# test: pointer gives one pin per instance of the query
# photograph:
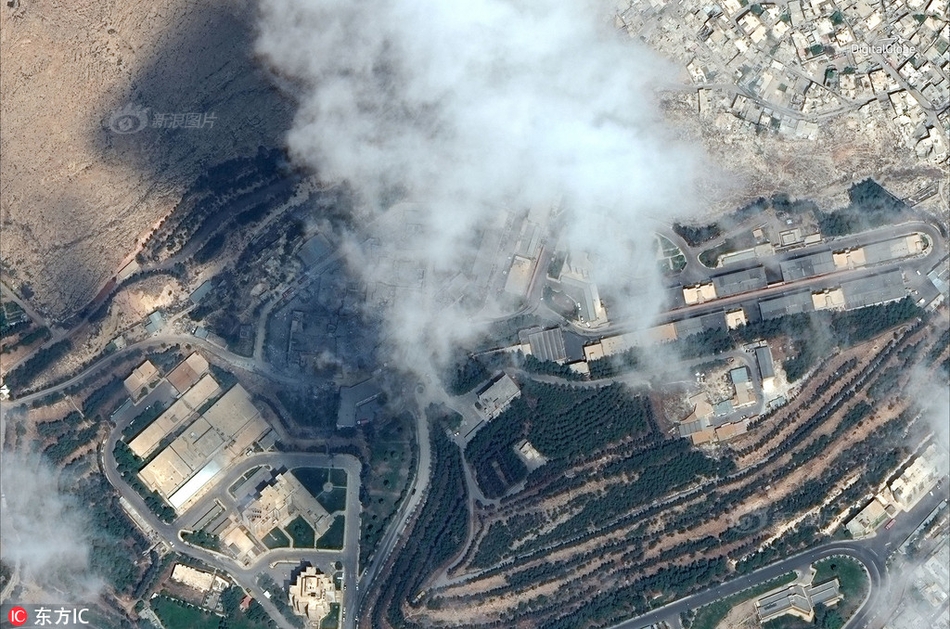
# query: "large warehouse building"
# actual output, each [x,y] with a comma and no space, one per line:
[182,470]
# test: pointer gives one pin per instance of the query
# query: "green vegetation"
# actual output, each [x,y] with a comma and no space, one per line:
[279,598]
[709,616]
[710,257]
[562,422]
[384,480]
[301,533]
[33,336]
[338,477]
[176,614]
[276,539]
[697,235]
[333,538]
[254,618]
[851,576]
[436,536]
[317,412]
[467,374]
[22,376]
[203,539]
[333,500]
[312,478]
[332,620]
[871,206]
[95,400]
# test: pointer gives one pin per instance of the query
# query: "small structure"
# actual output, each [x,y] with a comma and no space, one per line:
[140,377]
[495,398]
[699,294]
[311,594]
[199,293]
[763,358]
[545,344]
[155,322]
[868,519]
[735,318]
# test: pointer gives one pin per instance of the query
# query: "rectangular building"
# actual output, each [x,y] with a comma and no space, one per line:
[870,291]
[495,398]
[740,281]
[809,265]
[793,303]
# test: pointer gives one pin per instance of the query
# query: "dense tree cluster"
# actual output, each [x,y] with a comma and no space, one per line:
[871,206]
[695,235]
[22,376]
[437,534]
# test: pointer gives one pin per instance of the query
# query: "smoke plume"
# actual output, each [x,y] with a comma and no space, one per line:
[470,115]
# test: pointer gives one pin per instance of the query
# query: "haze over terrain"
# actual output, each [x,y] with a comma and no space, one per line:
[469,111]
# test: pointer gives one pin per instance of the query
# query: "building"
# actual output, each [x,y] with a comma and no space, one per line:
[184,409]
[199,293]
[359,403]
[545,344]
[763,358]
[311,594]
[141,377]
[735,319]
[519,276]
[280,499]
[155,322]
[789,304]
[315,250]
[870,291]
[894,249]
[699,294]
[798,600]
[198,580]
[917,479]
[187,373]
[183,470]
[740,281]
[810,265]
[495,398]
[868,519]
[829,299]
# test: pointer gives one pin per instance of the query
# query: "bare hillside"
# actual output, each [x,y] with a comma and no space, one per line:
[110,110]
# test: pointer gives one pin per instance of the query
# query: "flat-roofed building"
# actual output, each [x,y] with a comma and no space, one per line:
[594,351]
[878,289]
[519,276]
[794,303]
[867,519]
[545,344]
[763,358]
[188,372]
[140,377]
[495,398]
[894,249]
[358,403]
[184,408]
[705,435]
[198,580]
[699,294]
[166,472]
[735,319]
[798,600]
[916,480]
[818,263]
[849,258]
[235,412]
[280,500]
[830,299]
[740,281]
[728,431]
[311,595]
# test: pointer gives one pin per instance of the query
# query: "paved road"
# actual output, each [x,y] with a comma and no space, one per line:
[415,497]
[871,552]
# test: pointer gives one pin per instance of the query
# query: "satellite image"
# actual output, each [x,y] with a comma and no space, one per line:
[349,314]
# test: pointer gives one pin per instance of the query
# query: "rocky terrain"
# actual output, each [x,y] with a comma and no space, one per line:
[92,154]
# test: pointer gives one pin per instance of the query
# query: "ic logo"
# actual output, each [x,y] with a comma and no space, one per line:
[17,616]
